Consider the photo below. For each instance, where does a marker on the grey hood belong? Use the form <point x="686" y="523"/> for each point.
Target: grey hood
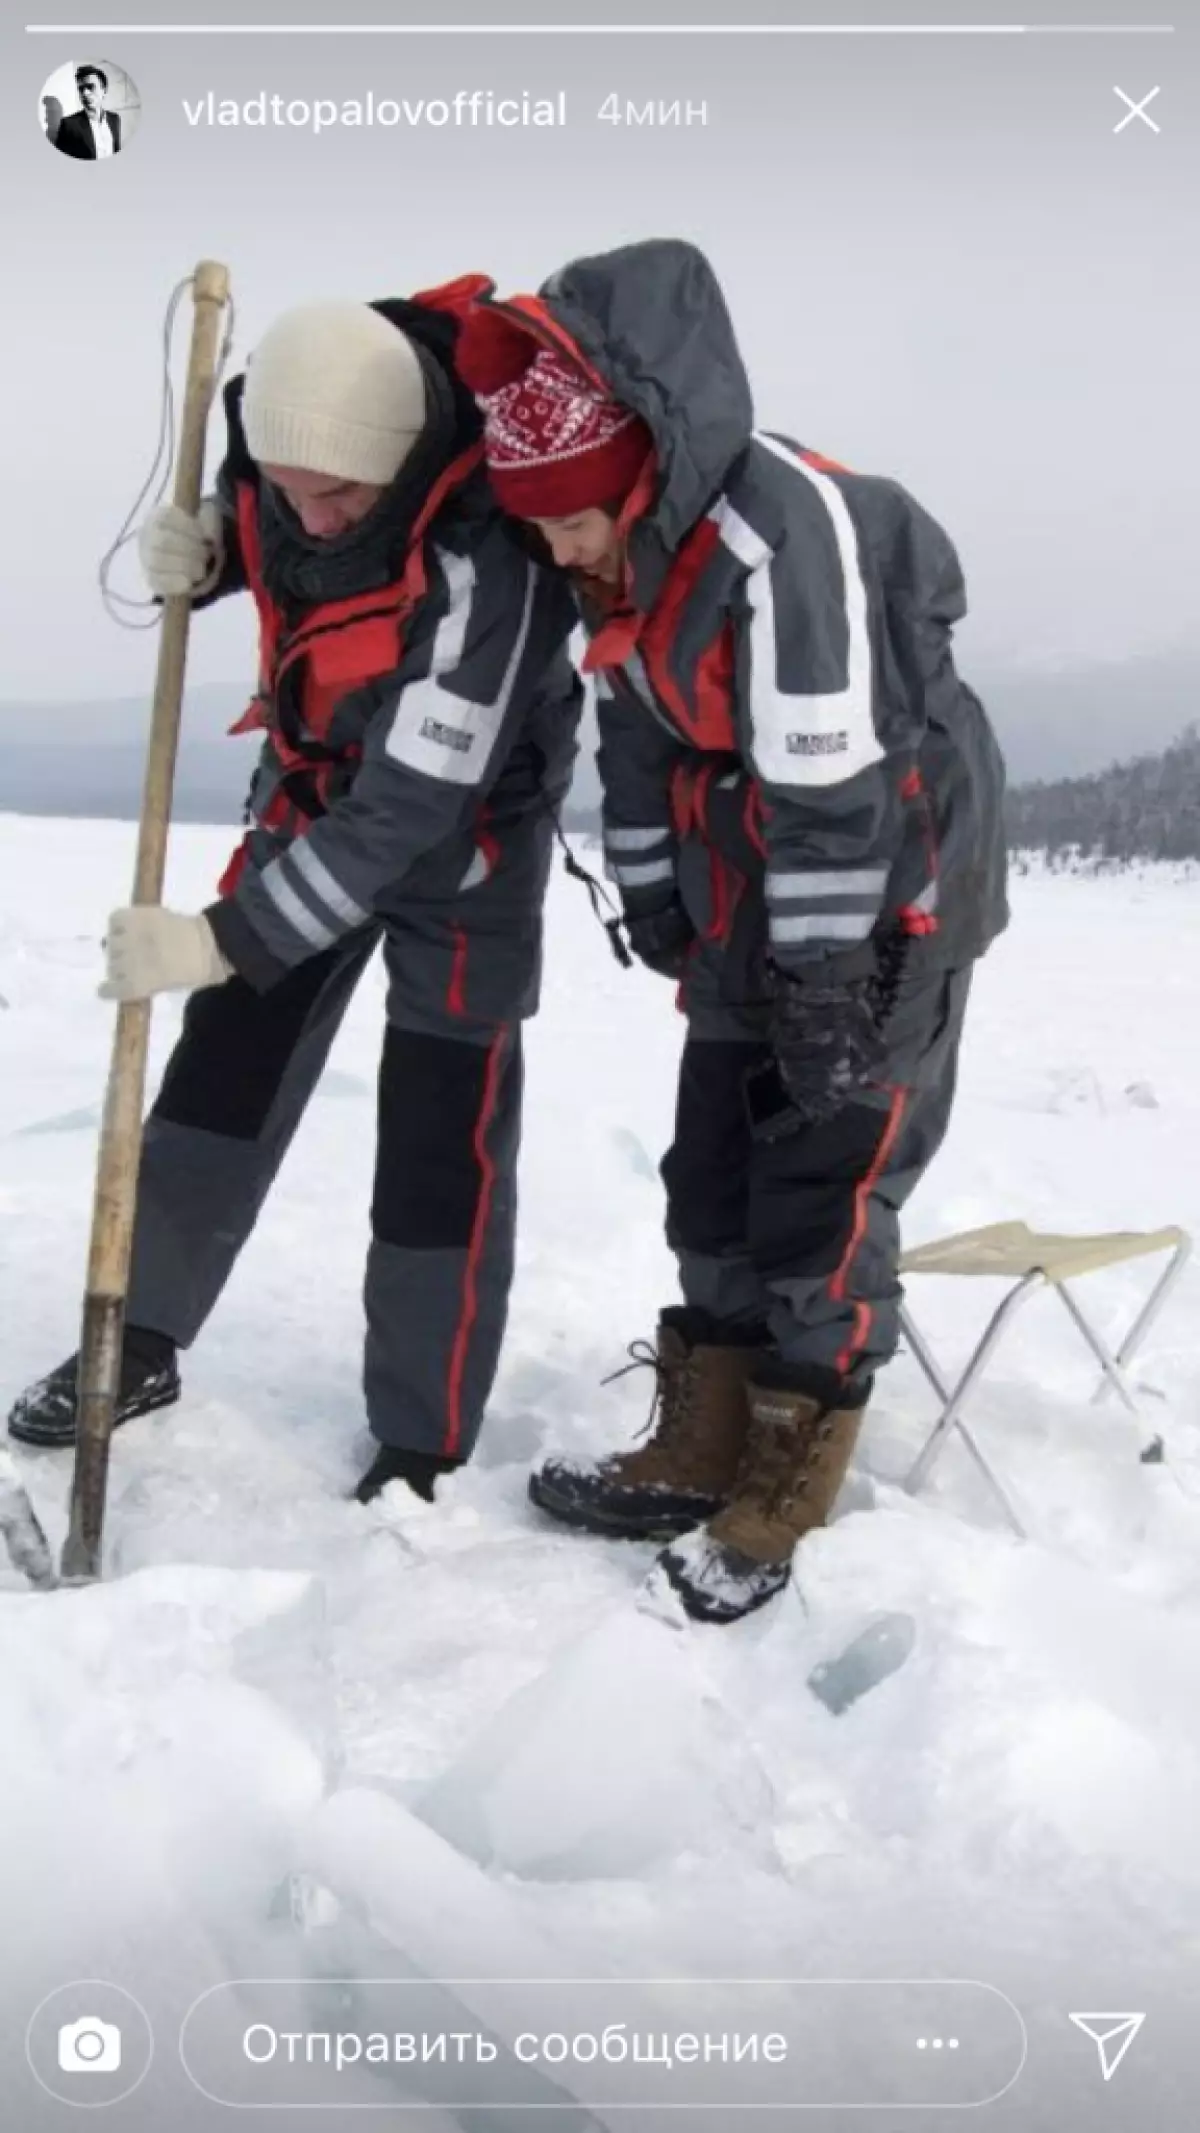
<point x="653" y="322"/>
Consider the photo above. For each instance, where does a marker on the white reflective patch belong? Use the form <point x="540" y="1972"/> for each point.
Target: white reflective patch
<point x="293" y="908"/>
<point x="832" y="926"/>
<point x="641" y="877"/>
<point x="459" y="573"/>
<point x="821" y="738"/>
<point x="476" y="873"/>
<point x="443" y="735"/>
<point x="325" y="886"/>
<point x="634" y="840"/>
<point x="739" y="537"/>
<point x="791" y="888"/>
<point x="927" y="901"/>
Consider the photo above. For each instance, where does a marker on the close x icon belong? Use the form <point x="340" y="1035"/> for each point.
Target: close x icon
<point x="1138" y="109"/>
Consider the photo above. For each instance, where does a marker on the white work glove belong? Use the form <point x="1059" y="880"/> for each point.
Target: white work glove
<point x="150" y="950"/>
<point x="179" y="553"/>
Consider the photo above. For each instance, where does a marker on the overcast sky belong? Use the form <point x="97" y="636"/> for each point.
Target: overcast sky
<point x="942" y="261"/>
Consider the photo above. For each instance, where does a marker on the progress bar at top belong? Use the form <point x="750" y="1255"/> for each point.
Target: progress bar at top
<point x="600" y="29"/>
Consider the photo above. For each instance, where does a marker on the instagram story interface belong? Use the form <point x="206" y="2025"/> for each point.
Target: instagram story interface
<point x="599" y="907"/>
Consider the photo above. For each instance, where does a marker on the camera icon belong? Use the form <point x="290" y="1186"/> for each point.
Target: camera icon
<point x="89" y="2046"/>
<point x="113" y="2040"/>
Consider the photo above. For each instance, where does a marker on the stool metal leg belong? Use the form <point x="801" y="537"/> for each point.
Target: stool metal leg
<point x="1146" y="1317"/>
<point x="1114" y="1376"/>
<point x="948" y="1419"/>
<point x="923" y="1355"/>
<point x="993" y="1481"/>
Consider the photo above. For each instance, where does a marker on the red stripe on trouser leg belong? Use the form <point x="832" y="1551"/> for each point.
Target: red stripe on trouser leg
<point x="863" y="1320"/>
<point x="456" y="990"/>
<point x="718" y="925"/>
<point x="483" y="1208"/>
<point x="862" y="1204"/>
<point x="487" y="840"/>
<point x="752" y="817"/>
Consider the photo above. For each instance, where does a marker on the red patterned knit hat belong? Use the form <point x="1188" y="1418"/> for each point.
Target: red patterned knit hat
<point x="557" y="444"/>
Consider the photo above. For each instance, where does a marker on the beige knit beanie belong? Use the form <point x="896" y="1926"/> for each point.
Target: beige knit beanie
<point x="336" y="389"/>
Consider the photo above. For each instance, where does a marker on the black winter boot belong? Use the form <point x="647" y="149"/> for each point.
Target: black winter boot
<point x="419" y="1469"/>
<point x="45" y="1414"/>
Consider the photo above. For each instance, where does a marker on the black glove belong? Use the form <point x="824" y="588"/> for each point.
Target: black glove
<point x="661" y="939"/>
<point x="828" y="1039"/>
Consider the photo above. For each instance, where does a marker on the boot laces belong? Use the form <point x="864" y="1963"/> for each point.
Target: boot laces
<point x="672" y="1381"/>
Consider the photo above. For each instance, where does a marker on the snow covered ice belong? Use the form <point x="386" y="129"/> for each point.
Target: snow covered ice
<point x="289" y="1732"/>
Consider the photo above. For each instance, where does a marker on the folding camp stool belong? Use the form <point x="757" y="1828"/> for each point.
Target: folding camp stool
<point x="1032" y="1261"/>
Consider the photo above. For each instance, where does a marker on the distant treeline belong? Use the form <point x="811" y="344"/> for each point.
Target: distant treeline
<point x="1145" y="809"/>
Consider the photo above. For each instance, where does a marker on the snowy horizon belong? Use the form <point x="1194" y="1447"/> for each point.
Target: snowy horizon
<point x="85" y="756"/>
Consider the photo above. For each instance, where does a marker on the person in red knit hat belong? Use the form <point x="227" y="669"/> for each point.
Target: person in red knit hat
<point x="561" y="451"/>
<point x="557" y="445"/>
<point x="802" y="814"/>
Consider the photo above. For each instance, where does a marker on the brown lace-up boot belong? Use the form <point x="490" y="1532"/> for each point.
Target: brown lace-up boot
<point x="684" y="1471"/>
<point x="795" y="1461"/>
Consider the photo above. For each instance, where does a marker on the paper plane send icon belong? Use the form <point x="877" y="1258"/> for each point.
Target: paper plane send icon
<point x="1112" y="2035"/>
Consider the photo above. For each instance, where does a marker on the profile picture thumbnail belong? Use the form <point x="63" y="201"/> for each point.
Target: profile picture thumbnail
<point x="89" y="109"/>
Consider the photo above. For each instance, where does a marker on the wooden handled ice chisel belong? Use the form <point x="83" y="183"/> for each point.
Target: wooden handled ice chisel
<point x="121" y="1128"/>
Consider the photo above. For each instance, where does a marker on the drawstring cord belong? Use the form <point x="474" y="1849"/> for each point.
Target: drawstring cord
<point x="596" y="892"/>
<point x="150" y="609"/>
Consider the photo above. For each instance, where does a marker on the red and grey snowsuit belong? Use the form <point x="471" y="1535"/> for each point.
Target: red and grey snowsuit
<point x="786" y="748"/>
<point x="419" y="734"/>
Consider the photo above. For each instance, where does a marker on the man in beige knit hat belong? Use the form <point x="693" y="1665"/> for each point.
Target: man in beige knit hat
<point x="419" y="715"/>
